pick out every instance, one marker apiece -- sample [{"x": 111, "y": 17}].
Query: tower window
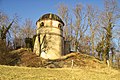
[
  {"x": 41, "y": 24},
  {"x": 59, "y": 26}
]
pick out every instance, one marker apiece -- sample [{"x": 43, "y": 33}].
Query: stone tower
[{"x": 49, "y": 42}]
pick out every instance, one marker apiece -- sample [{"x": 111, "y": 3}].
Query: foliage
[{"x": 29, "y": 43}]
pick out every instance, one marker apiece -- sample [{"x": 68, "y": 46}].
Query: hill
[
  {"x": 31, "y": 67},
  {"x": 76, "y": 60}
]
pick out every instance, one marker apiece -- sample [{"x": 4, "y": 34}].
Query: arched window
[
  {"x": 41, "y": 24},
  {"x": 59, "y": 26}
]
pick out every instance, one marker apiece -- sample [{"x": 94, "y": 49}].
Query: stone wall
[{"x": 51, "y": 39}]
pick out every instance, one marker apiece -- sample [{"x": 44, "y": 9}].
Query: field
[
  {"x": 85, "y": 68},
  {"x": 83, "y": 73}
]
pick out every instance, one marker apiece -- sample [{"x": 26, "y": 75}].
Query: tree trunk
[
  {"x": 107, "y": 42},
  {"x": 92, "y": 43}
]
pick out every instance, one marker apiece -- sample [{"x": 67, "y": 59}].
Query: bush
[{"x": 7, "y": 58}]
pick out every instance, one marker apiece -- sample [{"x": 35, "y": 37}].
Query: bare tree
[
  {"x": 27, "y": 30},
  {"x": 119, "y": 41},
  {"x": 5, "y": 26},
  {"x": 92, "y": 16},
  {"x": 14, "y": 32},
  {"x": 109, "y": 17},
  {"x": 117, "y": 37},
  {"x": 64, "y": 13},
  {"x": 80, "y": 26}
]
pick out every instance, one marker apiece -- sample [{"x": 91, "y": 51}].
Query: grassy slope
[
  {"x": 24, "y": 73},
  {"x": 29, "y": 59}
]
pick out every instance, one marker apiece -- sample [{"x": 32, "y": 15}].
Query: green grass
[{"x": 25, "y": 73}]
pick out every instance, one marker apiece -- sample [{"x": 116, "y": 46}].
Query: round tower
[{"x": 49, "y": 42}]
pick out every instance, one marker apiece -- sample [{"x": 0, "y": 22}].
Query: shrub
[{"x": 7, "y": 58}]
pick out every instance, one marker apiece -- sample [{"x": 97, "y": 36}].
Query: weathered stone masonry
[{"x": 49, "y": 42}]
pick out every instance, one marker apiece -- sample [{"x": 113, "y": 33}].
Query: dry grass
[
  {"x": 85, "y": 68},
  {"x": 29, "y": 59},
  {"x": 83, "y": 73}
]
